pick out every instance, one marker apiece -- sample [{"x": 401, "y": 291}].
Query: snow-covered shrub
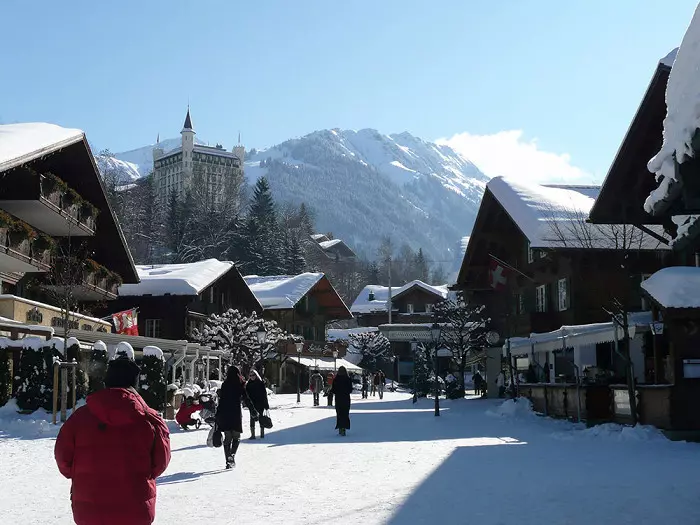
[
  {"x": 35, "y": 378},
  {"x": 97, "y": 369},
  {"x": 5, "y": 376},
  {"x": 422, "y": 384},
  {"x": 81, "y": 378},
  {"x": 152, "y": 384},
  {"x": 453, "y": 389},
  {"x": 124, "y": 349}
]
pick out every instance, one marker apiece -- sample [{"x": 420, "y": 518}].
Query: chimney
[{"x": 371, "y": 295}]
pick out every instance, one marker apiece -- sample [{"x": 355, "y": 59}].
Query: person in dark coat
[
  {"x": 229, "y": 414},
  {"x": 365, "y": 384},
  {"x": 113, "y": 449},
  {"x": 342, "y": 387},
  {"x": 478, "y": 382},
  {"x": 257, "y": 393}
]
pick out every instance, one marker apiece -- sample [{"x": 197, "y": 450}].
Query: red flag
[
  {"x": 126, "y": 322},
  {"x": 498, "y": 275}
]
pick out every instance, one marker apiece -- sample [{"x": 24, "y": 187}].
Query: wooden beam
[{"x": 651, "y": 233}]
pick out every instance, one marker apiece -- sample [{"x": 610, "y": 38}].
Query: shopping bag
[{"x": 266, "y": 420}]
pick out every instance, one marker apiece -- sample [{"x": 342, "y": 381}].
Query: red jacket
[
  {"x": 113, "y": 449},
  {"x": 185, "y": 413}
]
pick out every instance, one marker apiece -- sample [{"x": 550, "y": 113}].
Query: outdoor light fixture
[
  {"x": 300, "y": 348},
  {"x": 435, "y": 333},
  {"x": 414, "y": 345},
  {"x": 262, "y": 334}
]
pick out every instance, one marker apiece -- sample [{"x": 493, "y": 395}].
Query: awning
[
  {"x": 326, "y": 363},
  {"x": 578, "y": 335}
]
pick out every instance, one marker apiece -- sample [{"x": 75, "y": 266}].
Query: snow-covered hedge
[
  {"x": 98, "y": 367},
  {"x": 34, "y": 378},
  {"x": 5, "y": 376},
  {"x": 152, "y": 384}
]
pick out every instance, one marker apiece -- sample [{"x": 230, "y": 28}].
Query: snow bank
[
  {"x": 124, "y": 349},
  {"x": 612, "y": 431},
  {"x": 20, "y": 143},
  {"x": 282, "y": 292},
  {"x": 675, "y": 287},
  {"x": 682, "y": 115},
  {"x": 153, "y": 351},
  {"x": 176, "y": 279},
  {"x": 520, "y": 408},
  {"x": 28, "y": 426}
]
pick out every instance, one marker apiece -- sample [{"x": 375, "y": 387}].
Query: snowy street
[{"x": 398, "y": 465}]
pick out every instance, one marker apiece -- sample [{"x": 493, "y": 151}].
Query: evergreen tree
[
  {"x": 421, "y": 372},
  {"x": 422, "y": 269},
  {"x": 265, "y": 255},
  {"x": 296, "y": 261},
  {"x": 152, "y": 382},
  {"x": 5, "y": 376}
]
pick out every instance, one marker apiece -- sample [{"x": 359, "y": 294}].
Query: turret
[
  {"x": 239, "y": 151},
  {"x": 157, "y": 149},
  {"x": 187, "y": 143}
]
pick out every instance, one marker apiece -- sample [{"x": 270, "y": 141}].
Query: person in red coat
[
  {"x": 113, "y": 449},
  {"x": 184, "y": 415}
]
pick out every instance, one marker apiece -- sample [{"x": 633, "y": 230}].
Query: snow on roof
[
  {"x": 555, "y": 216},
  {"x": 176, "y": 279},
  {"x": 20, "y": 143},
  {"x": 682, "y": 115},
  {"x": 363, "y": 305},
  {"x": 327, "y": 364},
  {"x": 343, "y": 334},
  {"x": 675, "y": 287},
  {"x": 318, "y": 237},
  {"x": 281, "y": 292},
  {"x": 329, "y": 244},
  {"x": 669, "y": 59}
]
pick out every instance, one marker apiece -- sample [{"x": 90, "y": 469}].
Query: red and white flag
[
  {"x": 498, "y": 275},
  {"x": 126, "y": 322}
]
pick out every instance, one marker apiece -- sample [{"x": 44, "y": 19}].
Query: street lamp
[
  {"x": 335, "y": 361},
  {"x": 414, "y": 349},
  {"x": 300, "y": 347},
  {"x": 435, "y": 335},
  {"x": 262, "y": 337}
]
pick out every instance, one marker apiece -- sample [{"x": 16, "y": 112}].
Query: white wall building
[{"x": 174, "y": 171}]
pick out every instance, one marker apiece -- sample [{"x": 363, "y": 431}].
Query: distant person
[
  {"x": 374, "y": 381},
  {"x": 501, "y": 383},
  {"x": 365, "y": 385},
  {"x": 342, "y": 387},
  {"x": 184, "y": 414},
  {"x": 329, "y": 389},
  {"x": 316, "y": 385},
  {"x": 478, "y": 382},
  {"x": 229, "y": 414},
  {"x": 113, "y": 449},
  {"x": 381, "y": 383},
  {"x": 257, "y": 393}
]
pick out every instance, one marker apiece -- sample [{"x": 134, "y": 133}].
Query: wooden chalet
[
  {"x": 51, "y": 194},
  {"x": 174, "y": 299}
]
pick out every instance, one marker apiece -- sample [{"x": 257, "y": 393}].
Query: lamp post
[
  {"x": 435, "y": 335},
  {"x": 395, "y": 366},
  {"x": 414, "y": 349},
  {"x": 262, "y": 337},
  {"x": 300, "y": 347},
  {"x": 335, "y": 361}
]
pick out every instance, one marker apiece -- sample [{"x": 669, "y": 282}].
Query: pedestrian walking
[
  {"x": 329, "y": 389},
  {"x": 316, "y": 386},
  {"x": 373, "y": 384},
  {"x": 381, "y": 383},
  {"x": 257, "y": 393},
  {"x": 342, "y": 387},
  {"x": 501, "y": 383},
  {"x": 229, "y": 415},
  {"x": 365, "y": 381},
  {"x": 113, "y": 449},
  {"x": 184, "y": 414},
  {"x": 478, "y": 383}
]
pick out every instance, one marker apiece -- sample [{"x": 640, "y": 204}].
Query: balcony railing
[
  {"x": 48, "y": 204},
  {"x": 96, "y": 283},
  {"x": 21, "y": 248}
]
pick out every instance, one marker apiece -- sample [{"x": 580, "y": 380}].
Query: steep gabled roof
[
  {"x": 363, "y": 305},
  {"x": 188, "y": 279},
  {"x": 21, "y": 143},
  {"x": 188, "y": 120}
]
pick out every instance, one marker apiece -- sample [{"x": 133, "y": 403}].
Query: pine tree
[
  {"x": 296, "y": 261},
  {"x": 421, "y": 372},
  {"x": 422, "y": 269},
  {"x": 152, "y": 382},
  {"x": 265, "y": 255}
]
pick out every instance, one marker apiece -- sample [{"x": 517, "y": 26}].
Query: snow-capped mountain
[
  {"x": 125, "y": 172},
  {"x": 365, "y": 184}
]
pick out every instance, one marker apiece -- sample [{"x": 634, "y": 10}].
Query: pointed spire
[
  {"x": 188, "y": 120},
  {"x": 158, "y": 139},
  {"x": 239, "y": 138}
]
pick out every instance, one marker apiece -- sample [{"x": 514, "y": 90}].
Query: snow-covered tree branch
[{"x": 374, "y": 348}]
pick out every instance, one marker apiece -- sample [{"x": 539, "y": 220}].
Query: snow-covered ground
[{"x": 478, "y": 463}]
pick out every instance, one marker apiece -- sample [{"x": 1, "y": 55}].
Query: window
[
  {"x": 152, "y": 327},
  {"x": 530, "y": 254},
  {"x": 563, "y": 293},
  {"x": 428, "y": 308},
  {"x": 86, "y": 327},
  {"x": 409, "y": 308},
  {"x": 541, "y": 298}
]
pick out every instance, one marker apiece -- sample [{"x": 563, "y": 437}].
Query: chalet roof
[
  {"x": 363, "y": 305},
  {"x": 555, "y": 216},
  {"x": 319, "y": 237},
  {"x": 21, "y": 143},
  {"x": 66, "y": 153},
  {"x": 628, "y": 182},
  {"x": 283, "y": 292},
  {"x": 177, "y": 279},
  {"x": 329, "y": 244},
  {"x": 674, "y": 287}
]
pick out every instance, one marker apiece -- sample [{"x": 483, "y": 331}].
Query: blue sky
[{"x": 519, "y": 82}]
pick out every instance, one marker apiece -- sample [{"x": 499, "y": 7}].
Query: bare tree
[{"x": 464, "y": 329}]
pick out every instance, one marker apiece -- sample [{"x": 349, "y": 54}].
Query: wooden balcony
[
  {"x": 47, "y": 204},
  {"x": 19, "y": 252},
  {"x": 97, "y": 284}
]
